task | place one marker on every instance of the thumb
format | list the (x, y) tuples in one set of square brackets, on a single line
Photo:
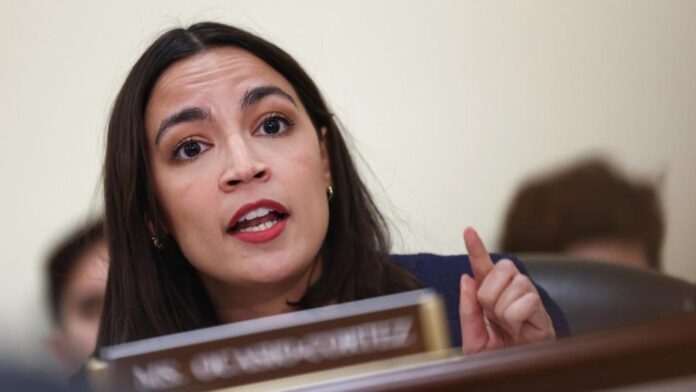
[(473, 324)]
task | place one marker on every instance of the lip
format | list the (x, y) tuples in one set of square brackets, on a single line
[(263, 235)]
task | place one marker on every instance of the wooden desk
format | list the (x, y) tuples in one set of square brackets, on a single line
[(659, 350)]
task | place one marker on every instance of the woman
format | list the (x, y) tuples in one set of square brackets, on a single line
[(230, 195)]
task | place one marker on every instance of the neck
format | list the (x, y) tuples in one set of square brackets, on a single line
[(237, 303)]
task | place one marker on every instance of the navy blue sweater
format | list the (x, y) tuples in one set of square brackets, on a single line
[(443, 273)]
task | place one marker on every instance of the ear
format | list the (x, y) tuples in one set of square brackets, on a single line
[(325, 157), (163, 226), (150, 226)]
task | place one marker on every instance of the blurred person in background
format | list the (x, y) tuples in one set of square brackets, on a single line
[(76, 273), (588, 210)]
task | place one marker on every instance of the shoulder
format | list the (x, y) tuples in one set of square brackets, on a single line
[(428, 267), (442, 273)]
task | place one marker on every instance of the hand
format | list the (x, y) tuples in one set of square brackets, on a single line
[(499, 307)]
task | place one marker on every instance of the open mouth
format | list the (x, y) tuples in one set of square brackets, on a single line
[(258, 219)]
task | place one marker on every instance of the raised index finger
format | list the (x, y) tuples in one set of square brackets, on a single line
[(481, 262)]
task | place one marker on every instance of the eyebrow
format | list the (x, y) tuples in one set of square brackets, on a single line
[(186, 115), (250, 98), (258, 93)]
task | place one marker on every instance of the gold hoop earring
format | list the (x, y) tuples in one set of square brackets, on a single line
[(156, 242), (329, 192)]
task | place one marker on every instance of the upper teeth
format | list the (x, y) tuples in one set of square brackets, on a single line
[(257, 213)]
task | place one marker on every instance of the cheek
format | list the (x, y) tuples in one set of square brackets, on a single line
[(306, 182), (302, 174), (190, 195), (305, 165), (81, 332)]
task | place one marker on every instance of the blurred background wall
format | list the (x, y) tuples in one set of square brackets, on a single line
[(451, 104)]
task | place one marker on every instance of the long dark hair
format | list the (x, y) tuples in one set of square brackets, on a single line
[(153, 292)]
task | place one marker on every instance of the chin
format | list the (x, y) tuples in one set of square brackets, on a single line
[(279, 273), (258, 268)]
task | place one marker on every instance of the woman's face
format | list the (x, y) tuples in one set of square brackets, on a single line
[(80, 308), (238, 168)]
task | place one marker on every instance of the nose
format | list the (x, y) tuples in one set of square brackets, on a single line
[(243, 167)]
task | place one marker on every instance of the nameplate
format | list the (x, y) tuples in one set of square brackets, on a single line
[(279, 346)]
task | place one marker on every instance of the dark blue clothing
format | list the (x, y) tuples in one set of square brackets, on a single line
[(443, 273), (14, 379)]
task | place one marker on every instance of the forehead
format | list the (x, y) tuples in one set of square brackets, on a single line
[(215, 69), (89, 275), (93, 264)]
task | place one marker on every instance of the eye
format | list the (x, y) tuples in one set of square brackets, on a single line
[(275, 124), (189, 149), (90, 307)]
